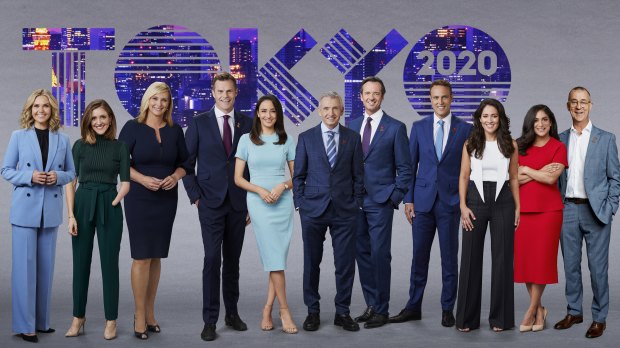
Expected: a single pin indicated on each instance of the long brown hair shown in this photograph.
(477, 140)
(256, 130)
(88, 133)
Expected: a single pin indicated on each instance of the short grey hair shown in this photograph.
(332, 95)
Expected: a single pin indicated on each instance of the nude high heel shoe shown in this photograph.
(541, 327)
(75, 332)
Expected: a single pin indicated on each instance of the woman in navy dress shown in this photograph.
(158, 155)
(267, 151)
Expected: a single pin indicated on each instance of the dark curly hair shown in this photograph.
(477, 140)
(256, 130)
(528, 136)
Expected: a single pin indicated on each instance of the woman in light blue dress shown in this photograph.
(268, 151)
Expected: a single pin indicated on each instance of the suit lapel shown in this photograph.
(318, 138)
(239, 124)
(385, 123)
(343, 143)
(454, 127)
(215, 132)
(52, 150)
(592, 146)
(428, 133)
(36, 149)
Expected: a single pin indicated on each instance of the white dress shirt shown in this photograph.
(376, 118)
(446, 128)
(219, 115)
(336, 131)
(577, 148)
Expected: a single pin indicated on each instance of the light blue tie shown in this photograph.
(439, 140)
(331, 148)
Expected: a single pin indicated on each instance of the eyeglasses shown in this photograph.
(575, 103)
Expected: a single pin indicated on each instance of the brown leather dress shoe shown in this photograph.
(568, 321)
(596, 330)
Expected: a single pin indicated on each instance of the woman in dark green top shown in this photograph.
(99, 158)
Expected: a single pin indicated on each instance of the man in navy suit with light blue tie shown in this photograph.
(590, 188)
(432, 202)
(212, 140)
(327, 191)
(387, 176)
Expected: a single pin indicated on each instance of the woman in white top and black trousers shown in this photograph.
(489, 194)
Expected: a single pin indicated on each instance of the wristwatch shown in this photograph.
(285, 186)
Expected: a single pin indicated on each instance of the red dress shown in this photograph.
(538, 235)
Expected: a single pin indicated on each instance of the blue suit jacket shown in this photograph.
(434, 178)
(601, 174)
(31, 202)
(387, 165)
(316, 183)
(214, 177)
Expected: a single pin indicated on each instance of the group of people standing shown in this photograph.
(531, 192)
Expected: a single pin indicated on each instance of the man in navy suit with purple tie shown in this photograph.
(327, 191)
(212, 140)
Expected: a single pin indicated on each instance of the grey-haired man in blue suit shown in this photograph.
(590, 188)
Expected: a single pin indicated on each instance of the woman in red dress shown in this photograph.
(542, 158)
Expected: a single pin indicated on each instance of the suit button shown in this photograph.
(28, 164)
(55, 194)
(27, 194)
(60, 166)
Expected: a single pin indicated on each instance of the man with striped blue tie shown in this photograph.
(327, 191)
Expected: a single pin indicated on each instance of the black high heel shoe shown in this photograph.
(139, 335)
(49, 330)
(29, 338)
(153, 328)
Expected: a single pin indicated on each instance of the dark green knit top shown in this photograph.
(101, 162)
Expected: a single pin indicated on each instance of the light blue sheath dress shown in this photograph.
(272, 223)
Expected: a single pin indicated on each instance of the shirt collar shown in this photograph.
(219, 113)
(446, 120)
(376, 117)
(324, 128)
(588, 128)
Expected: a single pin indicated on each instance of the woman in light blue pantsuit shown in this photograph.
(38, 163)
(268, 152)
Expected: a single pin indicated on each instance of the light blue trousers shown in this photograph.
(34, 252)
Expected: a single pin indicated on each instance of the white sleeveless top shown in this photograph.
(493, 166)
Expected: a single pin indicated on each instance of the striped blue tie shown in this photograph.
(331, 148)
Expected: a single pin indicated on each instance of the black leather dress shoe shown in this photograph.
(377, 320)
(368, 313)
(234, 321)
(406, 315)
(312, 322)
(447, 319)
(346, 322)
(208, 332)
(29, 338)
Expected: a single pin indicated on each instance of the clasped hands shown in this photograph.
(155, 184)
(44, 178)
(273, 196)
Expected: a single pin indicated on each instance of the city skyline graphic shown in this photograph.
(473, 62)
(68, 71)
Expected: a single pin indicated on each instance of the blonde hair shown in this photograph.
(88, 133)
(155, 88)
(27, 121)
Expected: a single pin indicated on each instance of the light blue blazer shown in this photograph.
(601, 175)
(22, 158)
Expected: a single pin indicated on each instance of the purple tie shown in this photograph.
(227, 136)
(366, 136)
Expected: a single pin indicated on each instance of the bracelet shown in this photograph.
(71, 217)
(285, 186)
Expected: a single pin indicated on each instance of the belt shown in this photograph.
(577, 200)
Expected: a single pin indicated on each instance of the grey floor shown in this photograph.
(179, 301)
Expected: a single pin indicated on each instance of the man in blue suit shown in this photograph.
(327, 191)
(590, 187)
(387, 177)
(212, 140)
(432, 202)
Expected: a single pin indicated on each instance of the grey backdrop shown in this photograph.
(551, 45)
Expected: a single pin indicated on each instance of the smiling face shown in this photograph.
(224, 92)
(330, 110)
(100, 121)
(41, 112)
(371, 97)
(542, 124)
(490, 120)
(158, 104)
(441, 98)
(267, 115)
(579, 106)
